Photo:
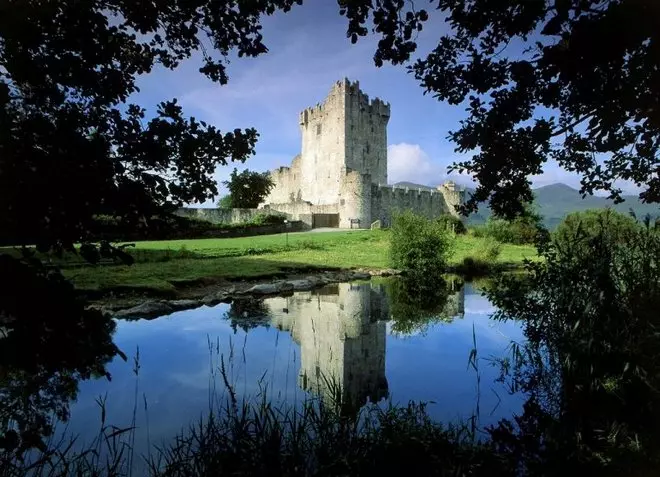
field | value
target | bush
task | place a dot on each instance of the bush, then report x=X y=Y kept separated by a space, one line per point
x=490 y=250
x=452 y=223
x=518 y=231
x=593 y=223
x=267 y=219
x=590 y=317
x=419 y=245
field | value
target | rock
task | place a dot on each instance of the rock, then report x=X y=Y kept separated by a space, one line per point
x=213 y=299
x=361 y=275
x=270 y=288
x=386 y=272
x=302 y=285
x=150 y=309
x=317 y=281
x=185 y=304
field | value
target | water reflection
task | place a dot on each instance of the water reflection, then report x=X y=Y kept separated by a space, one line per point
x=341 y=330
x=353 y=342
x=47 y=345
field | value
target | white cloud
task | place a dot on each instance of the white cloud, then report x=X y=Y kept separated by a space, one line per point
x=410 y=163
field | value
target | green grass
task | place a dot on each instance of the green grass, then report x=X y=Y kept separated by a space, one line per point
x=161 y=264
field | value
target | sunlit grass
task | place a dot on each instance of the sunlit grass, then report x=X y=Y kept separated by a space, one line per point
x=161 y=264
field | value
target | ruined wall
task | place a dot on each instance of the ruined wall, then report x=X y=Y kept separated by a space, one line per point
x=220 y=216
x=287 y=184
x=385 y=200
x=300 y=210
x=454 y=196
x=366 y=133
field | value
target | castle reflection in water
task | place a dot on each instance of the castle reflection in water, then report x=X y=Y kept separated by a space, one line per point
x=341 y=330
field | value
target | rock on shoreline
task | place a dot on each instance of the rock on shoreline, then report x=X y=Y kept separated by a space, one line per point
x=155 y=308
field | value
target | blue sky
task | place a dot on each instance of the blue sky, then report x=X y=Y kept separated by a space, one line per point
x=308 y=51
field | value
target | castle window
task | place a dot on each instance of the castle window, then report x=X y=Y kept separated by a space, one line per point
x=367 y=148
x=318 y=129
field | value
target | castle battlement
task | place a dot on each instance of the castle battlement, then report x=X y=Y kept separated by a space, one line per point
x=346 y=94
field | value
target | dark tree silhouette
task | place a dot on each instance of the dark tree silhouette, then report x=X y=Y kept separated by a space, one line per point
x=248 y=189
x=71 y=146
x=575 y=81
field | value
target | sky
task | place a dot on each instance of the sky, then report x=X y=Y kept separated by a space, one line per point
x=308 y=52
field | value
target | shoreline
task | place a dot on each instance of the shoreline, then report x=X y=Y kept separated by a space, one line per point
x=139 y=303
x=210 y=292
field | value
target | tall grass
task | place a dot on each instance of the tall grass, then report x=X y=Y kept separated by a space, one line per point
x=261 y=436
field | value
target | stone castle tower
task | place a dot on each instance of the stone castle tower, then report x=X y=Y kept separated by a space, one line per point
x=340 y=176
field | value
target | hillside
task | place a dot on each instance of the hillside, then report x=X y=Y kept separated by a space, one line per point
x=555 y=201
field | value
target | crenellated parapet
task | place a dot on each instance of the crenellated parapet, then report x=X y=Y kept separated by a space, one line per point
x=345 y=93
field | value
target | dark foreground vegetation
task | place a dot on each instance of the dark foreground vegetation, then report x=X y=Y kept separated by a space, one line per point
x=588 y=370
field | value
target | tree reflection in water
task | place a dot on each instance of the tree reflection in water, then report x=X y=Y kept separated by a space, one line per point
x=48 y=343
x=590 y=364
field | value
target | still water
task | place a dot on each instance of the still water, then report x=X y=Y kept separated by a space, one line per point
x=373 y=348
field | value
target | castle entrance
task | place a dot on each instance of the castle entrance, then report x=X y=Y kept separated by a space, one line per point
x=325 y=220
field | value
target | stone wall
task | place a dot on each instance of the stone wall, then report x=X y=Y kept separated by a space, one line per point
x=355 y=199
x=220 y=216
x=287 y=184
x=386 y=200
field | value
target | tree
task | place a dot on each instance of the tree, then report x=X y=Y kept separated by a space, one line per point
x=72 y=147
x=248 y=189
x=225 y=202
x=70 y=144
x=573 y=81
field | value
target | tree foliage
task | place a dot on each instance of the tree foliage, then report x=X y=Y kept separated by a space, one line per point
x=526 y=228
x=590 y=362
x=70 y=143
x=574 y=81
x=224 y=202
x=249 y=188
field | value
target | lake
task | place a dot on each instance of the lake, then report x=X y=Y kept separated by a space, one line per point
x=361 y=338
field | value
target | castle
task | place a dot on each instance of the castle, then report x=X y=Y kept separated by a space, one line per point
x=340 y=177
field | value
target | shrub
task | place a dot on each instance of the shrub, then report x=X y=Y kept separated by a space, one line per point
x=593 y=223
x=590 y=318
x=452 y=223
x=419 y=245
x=518 y=231
x=267 y=219
x=490 y=250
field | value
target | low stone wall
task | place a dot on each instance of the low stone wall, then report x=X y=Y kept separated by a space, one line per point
x=220 y=216
x=293 y=226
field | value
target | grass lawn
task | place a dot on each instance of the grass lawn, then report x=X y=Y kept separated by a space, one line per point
x=160 y=265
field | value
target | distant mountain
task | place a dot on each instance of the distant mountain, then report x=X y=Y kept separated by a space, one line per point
x=555 y=201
